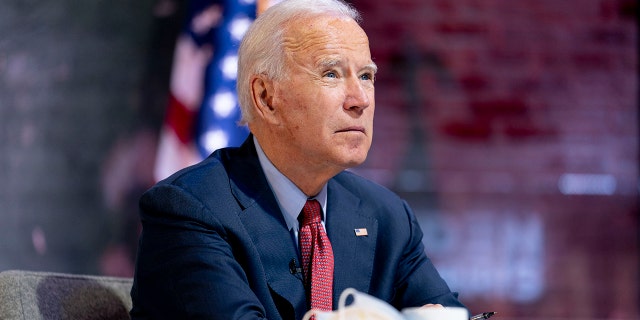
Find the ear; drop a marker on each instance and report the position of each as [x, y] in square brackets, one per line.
[262, 91]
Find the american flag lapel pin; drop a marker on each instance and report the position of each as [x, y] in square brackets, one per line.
[361, 232]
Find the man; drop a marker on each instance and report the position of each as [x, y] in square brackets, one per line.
[222, 239]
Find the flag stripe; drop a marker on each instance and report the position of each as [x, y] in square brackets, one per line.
[181, 120]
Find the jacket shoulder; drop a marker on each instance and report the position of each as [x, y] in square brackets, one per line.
[375, 198]
[365, 188]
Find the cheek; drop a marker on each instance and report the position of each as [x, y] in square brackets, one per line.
[295, 97]
[296, 119]
[311, 108]
[307, 108]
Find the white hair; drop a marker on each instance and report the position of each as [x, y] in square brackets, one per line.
[261, 50]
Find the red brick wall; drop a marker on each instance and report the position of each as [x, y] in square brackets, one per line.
[508, 97]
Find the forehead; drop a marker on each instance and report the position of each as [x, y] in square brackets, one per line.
[319, 36]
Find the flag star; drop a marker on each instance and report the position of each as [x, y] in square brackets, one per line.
[223, 104]
[229, 67]
[239, 26]
[214, 139]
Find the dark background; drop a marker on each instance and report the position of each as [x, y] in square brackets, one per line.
[511, 127]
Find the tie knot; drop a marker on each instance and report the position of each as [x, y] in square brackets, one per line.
[311, 213]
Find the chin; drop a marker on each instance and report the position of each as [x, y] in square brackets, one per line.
[355, 160]
[351, 155]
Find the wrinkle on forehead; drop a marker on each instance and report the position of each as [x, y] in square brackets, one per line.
[300, 43]
[323, 32]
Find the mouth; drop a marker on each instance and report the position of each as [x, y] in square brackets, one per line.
[352, 129]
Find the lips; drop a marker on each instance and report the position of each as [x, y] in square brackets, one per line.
[352, 129]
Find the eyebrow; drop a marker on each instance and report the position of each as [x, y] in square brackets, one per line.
[331, 62]
[372, 67]
[328, 63]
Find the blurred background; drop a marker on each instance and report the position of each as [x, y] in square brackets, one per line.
[511, 128]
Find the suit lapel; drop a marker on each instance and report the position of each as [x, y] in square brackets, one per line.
[353, 253]
[275, 245]
[263, 221]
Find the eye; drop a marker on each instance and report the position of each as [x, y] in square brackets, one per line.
[366, 76]
[331, 74]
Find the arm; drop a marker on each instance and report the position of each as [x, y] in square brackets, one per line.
[417, 281]
[185, 266]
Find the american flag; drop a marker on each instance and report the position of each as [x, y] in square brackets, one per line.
[203, 111]
[361, 232]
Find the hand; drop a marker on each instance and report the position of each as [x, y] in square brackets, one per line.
[431, 305]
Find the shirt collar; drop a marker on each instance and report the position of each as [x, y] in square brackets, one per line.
[289, 197]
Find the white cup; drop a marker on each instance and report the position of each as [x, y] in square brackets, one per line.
[449, 313]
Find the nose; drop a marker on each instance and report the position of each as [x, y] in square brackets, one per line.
[357, 95]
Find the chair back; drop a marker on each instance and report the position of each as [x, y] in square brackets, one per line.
[29, 295]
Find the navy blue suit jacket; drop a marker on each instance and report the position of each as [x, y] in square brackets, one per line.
[215, 245]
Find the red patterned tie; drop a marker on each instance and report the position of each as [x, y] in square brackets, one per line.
[317, 257]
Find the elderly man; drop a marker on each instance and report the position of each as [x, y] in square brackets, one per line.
[276, 226]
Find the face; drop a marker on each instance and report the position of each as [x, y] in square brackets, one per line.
[326, 103]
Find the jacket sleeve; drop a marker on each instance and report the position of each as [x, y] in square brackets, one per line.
[417, 280]
[185, 266]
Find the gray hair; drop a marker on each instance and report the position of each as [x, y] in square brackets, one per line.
[261, 50]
